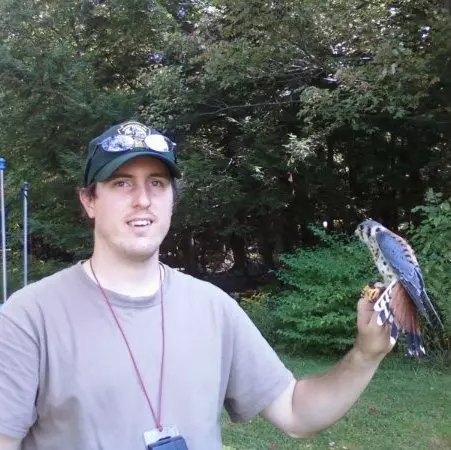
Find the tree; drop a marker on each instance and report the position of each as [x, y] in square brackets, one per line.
[285, 114]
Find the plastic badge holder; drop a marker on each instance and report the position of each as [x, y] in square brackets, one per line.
[169, 443]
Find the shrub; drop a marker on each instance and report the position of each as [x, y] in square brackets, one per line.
[431, 240]
[316, 310]
[259, 305]
[37, 269]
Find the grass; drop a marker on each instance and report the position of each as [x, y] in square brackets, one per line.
[406, 406]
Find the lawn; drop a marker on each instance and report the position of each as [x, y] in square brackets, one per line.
[406, 406]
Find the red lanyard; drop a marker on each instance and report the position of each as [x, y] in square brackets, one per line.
[156, 417]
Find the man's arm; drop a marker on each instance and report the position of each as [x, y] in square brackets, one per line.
[19, 374]
[7, 443]
[310, 405]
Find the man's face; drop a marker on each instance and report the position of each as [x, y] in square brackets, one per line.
[132, 210]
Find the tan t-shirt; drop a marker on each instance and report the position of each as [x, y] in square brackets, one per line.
[67, 381]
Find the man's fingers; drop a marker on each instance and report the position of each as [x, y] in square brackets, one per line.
[372, 337]
[365, 311]
[366, 316]
[364, 305]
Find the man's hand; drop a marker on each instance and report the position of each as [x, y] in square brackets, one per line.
[373, 340]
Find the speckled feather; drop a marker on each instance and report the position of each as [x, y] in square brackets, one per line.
[397, 263]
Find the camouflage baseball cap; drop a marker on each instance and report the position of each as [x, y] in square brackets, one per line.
[123, 142]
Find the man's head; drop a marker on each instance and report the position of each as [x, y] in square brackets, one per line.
[129, 190]
[123, 142]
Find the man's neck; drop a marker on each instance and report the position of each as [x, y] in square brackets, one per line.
[132, 278]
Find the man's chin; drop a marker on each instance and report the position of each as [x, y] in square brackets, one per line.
[141, 255]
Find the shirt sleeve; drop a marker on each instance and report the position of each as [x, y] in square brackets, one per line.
[19, 373]
[257, 375]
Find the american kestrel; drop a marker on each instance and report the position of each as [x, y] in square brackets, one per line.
[403, 295]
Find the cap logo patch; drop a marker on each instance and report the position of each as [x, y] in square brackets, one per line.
[135, 130]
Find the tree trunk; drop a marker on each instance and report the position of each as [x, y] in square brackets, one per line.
[266, 245]
[238, 246]
[189, 252]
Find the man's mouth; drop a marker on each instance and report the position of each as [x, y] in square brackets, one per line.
[140, 222]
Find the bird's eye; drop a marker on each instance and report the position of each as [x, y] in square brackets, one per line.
[378, 229]
[361, 226]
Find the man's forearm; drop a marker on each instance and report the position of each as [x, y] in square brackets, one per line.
[320, 401]
[310, 405]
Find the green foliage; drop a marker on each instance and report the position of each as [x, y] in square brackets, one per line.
[37, 269]
[267, 143]
[316, 310]
[431, 240]
[67, 71]
[390, 72]
[260, 308]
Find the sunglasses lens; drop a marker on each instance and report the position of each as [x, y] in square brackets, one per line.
[122, 143]
[156, 142]
[118, 143]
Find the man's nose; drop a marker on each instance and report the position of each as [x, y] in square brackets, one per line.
[141, 197]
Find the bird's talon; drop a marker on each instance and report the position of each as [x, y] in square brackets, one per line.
[371, 293]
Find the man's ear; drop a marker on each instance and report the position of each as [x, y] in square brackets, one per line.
[87, 200]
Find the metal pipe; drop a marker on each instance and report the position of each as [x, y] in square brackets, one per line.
[3, 226]
[25, 233]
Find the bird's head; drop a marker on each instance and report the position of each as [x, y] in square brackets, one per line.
[366, 231]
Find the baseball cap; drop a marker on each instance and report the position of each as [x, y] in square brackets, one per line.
[123, 142]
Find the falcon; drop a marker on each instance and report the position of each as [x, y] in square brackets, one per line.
[402, 297]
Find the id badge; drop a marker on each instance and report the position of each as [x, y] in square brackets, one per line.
[166, 439]
[169, 443]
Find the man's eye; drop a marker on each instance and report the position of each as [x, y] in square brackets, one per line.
[120, 183]
[156, 183]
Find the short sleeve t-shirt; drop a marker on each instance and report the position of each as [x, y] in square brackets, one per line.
[67, 380]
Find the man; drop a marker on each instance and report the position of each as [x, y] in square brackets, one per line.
[121, 351]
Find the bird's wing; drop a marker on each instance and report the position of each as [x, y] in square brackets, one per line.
[401, 258]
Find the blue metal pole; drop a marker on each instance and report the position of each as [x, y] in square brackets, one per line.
[25, 233]
[3, 225]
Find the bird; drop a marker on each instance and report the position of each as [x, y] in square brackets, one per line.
[402, 298]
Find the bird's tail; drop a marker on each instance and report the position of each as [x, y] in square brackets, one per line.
[396, 306]
[415, 344]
